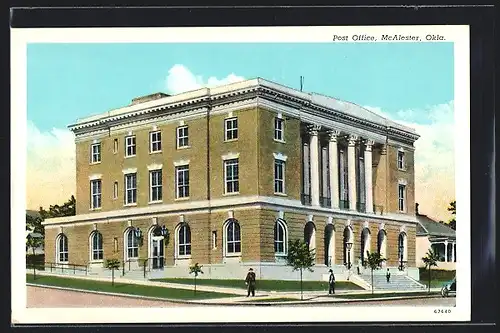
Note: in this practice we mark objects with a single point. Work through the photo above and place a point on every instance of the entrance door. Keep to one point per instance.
(158, 253)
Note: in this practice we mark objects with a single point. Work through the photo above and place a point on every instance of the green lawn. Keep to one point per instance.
(122, 288)
(388, 294)
(266, 285)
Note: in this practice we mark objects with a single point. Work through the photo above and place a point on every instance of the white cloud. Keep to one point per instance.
(434, 156)
(50, 168)
(181, 79)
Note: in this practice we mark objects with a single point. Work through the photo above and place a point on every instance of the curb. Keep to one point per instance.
(241, 303)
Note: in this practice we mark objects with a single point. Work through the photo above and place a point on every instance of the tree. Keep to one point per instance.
(453, 209)
(300, 257)
(374, 261)
(431, 258)
(34, 224)
(67, 209)
(33, 243)
(112, 264)
(195, 269)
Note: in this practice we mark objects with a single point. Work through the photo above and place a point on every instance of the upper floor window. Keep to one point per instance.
(95, 153)
(155, 185)
(115, 146)
(231, 129)
(184, 240)
(279, 176)
(279, 129)
(401, 160)
(280, 237)
(182, 181)
(96, 246)
(401, 197)
(155, 142)
(95, 193)
(182, 137)
(233, 237)
(130, 188)
(130, 147)
(231, 177)
(115, 190)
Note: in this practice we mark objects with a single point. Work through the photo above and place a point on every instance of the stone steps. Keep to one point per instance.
(397, 282)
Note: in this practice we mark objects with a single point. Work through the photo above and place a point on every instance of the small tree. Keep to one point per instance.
(33, 243)
(374, 261)
(300, 257)
(195, 269)
(430, 259)
(112, 264)
(453, 209)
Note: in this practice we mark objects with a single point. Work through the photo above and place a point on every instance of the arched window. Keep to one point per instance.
(329, 245)
(233, 237)
(310, 235)
(402, 248)
(348, 246)
(96, 250)
(382, 243)
(365, 244)
(183, 240)
(131, 244)
(62, 248)
(280, 237)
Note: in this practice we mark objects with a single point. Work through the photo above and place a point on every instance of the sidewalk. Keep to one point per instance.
(310, 297)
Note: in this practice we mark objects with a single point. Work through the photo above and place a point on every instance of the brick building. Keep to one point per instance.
(226, 176)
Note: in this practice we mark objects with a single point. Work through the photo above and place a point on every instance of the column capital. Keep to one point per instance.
(383, 149)
(369, 144)
(352, 139)
(333, 135)
(313, 129)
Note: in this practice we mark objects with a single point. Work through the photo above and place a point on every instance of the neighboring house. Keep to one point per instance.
(233, 173)
(438, 236)
(40, 249)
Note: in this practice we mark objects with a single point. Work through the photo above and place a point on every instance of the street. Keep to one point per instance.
(437, 301)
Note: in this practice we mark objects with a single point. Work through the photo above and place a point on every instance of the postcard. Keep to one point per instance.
(279, 174)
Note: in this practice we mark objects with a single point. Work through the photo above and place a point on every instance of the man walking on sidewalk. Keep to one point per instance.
(388, 276)
(331, 282)
(250, 282)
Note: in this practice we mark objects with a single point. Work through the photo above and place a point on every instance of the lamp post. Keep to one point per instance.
(349, 246)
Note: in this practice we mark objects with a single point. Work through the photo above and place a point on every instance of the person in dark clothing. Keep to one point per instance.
(250, 282)
(331, 282)
(388, 276)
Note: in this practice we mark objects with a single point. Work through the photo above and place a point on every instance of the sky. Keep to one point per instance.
(411, 83)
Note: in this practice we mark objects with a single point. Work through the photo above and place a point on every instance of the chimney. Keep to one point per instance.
(416, 208)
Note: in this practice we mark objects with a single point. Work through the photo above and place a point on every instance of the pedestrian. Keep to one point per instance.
(250, 282)
(388, 276)
(331, 283)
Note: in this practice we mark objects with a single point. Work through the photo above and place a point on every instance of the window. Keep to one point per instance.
(231, 176)
(280, 240)
(96, 246)
(401, 160)
(231, 129)
(233, 237)
(154, 142)
(279, 129)
(155, 185)
(115, 146)
(401, 197)
(130, 188)
(184, 240)
(279, 176)
(95, 153)
(214, 239)
(95, 194)
(132, 247)
(182, 137)
(115, 190)
(130, 148)
(62, 248)
(182, 181)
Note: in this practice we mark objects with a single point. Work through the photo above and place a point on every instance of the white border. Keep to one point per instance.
(459, 35)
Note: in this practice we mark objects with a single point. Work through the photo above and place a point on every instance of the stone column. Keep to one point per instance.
(368, 176)
(452, 252)
(351, 171)
(334, 168)
(445, 251)
(314, 156)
